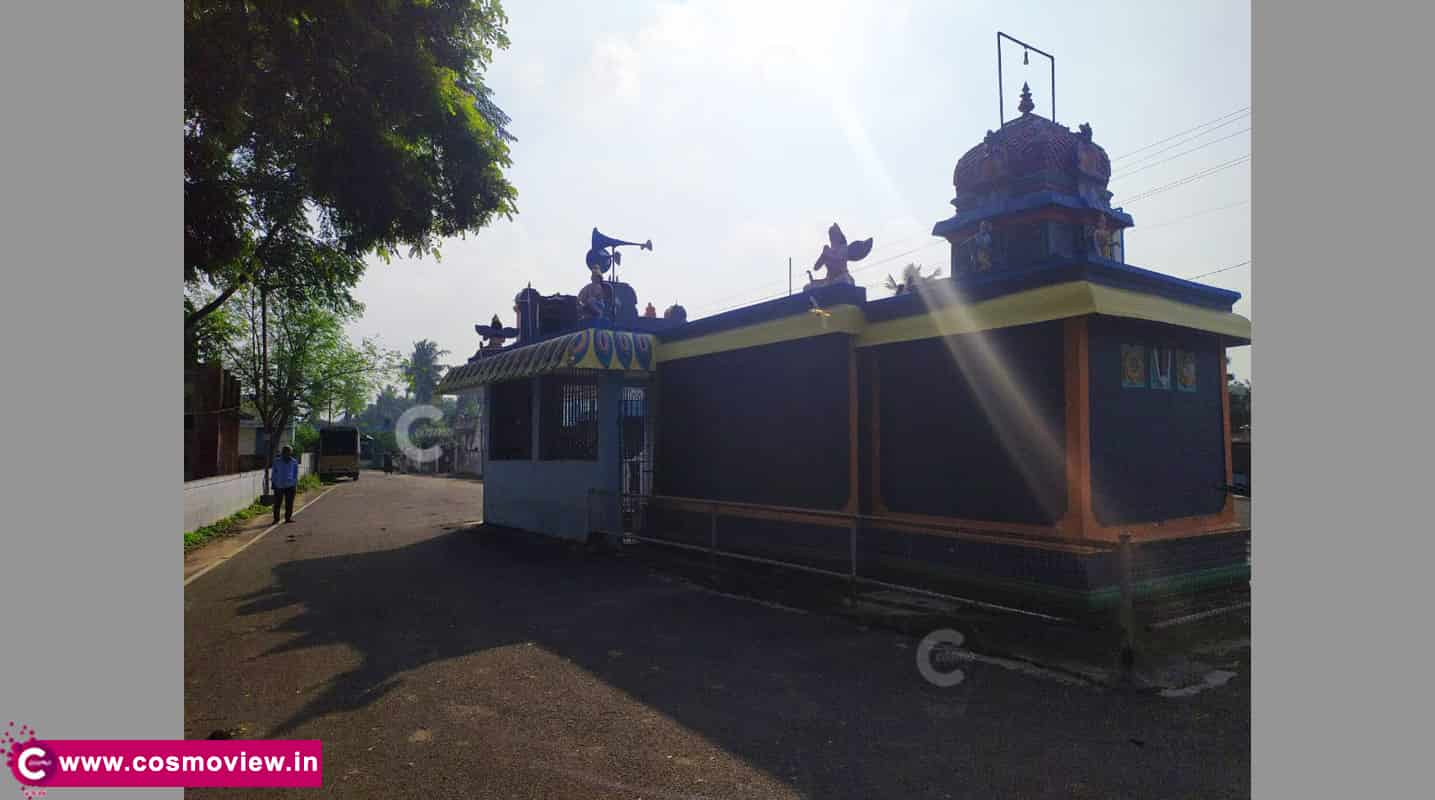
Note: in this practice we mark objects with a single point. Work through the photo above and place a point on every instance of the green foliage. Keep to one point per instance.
(341, 376)
(306, 438)
(381, 415)
(385, 442)
(232, 523)
(423, 369)
(318, 132)
(1240, 393)
(1240, 399)
(912, 277)
(211, 339)
(224, 527)
(309, 367)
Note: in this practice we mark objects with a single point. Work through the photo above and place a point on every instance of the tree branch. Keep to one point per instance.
(192, 319)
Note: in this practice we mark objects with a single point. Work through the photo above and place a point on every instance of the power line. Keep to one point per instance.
(1197, 214)
(1188, 140)
(1188, 179)
(854, 271)
(900, 255)
(1218, 122)
(1145, 167)
(727, 297)
(1218, 271)
(1234, 114)
(756, 287)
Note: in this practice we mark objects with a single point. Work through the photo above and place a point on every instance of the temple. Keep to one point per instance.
(993, 432)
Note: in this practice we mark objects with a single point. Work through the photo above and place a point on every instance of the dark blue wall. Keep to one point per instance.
(763, 424)
(1155, 453)
(941, 454)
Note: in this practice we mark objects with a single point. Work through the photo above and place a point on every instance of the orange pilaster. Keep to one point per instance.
(1078, 521)
(1228, 513)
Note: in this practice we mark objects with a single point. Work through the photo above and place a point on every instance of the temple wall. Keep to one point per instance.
(1155, 453)
(972, 426)
(768, 424)
(557, 497)
(550, 497)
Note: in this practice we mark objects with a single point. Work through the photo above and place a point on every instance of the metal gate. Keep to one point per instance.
(637, 424)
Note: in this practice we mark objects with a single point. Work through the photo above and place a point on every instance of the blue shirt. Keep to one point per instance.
(285, 472)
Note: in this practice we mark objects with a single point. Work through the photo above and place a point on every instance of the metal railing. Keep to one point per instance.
(633, 507)
(630, 511)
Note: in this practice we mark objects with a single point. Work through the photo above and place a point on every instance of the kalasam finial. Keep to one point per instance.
(1026, 105)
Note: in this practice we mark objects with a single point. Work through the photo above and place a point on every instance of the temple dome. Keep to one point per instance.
(1029, 155)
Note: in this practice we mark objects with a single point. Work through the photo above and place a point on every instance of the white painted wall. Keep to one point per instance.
(209, 500)
(247, 440)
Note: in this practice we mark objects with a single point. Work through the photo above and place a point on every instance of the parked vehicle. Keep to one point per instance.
(339, 452)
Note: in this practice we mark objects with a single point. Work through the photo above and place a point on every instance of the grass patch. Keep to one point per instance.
(234, 521)
(224, 527)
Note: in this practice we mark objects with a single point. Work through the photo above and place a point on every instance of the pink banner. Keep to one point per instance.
(59, 763)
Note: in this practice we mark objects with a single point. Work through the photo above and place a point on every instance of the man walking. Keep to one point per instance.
(283, 478)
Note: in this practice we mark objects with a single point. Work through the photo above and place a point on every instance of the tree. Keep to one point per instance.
(316, 133)
(210, 340)
(423, 370)
(1240, 392)
(1240, 398)
(912, 277)
(385, 442)
(304, 359)
(344, 375)
(306, 438)
(387, 407)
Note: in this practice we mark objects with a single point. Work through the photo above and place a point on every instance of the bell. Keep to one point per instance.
(1024, 57)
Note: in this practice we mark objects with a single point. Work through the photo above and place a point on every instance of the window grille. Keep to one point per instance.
(568, 428)
(634, 414)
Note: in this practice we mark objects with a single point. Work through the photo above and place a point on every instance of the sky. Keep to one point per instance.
(732, 133)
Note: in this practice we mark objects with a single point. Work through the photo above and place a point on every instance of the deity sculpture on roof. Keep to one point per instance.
(982, 247)
(1099, 238)
(596, 299)
(494, 334)
(835, 256)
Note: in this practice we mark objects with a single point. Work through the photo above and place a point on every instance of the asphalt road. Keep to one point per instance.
(437, 662)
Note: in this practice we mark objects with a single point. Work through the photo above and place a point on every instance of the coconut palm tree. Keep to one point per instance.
(423, 370)
(911, 276)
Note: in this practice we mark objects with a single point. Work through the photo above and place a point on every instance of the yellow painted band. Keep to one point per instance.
(1063, 300)
(839, 319)
(1126, 303)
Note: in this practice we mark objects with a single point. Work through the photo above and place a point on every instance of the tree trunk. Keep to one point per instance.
(264, 375)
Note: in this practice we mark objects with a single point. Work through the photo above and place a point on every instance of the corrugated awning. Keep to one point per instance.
(590, 349)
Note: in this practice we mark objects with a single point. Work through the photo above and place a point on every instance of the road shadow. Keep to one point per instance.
(834, 710)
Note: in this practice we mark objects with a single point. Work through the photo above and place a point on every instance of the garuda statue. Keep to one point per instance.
(835, 257)
(494, 333)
